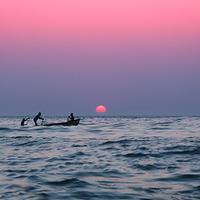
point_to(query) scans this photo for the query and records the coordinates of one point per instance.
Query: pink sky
(99, 26)
(105, 19)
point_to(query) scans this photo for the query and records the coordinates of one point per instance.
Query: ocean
(144, 158)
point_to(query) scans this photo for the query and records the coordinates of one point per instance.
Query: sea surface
(101, 158)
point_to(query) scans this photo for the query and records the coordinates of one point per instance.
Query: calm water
(102, 158)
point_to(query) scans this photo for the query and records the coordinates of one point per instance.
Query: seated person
(71, 117)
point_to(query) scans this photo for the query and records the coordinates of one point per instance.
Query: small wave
(119, 125)
(163, 123)
(108, 173)
(141, 155)
(197, 187)
(94, 130)
(29, 143)
(182, 177)
(160, 128)
(178, 120)
(74, 163)
(135, 155)
(3, 129)
(191, 151)
(15, 171)
(73, 182)
(79, 145)
(149, 167)
(44, 195)
(85, 195)
(186, 177)
(124, 141)
(21, 137)
(113, 173)
(79, 153)
(35, 178)
(142, 148)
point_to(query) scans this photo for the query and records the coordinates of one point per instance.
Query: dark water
(102, 158)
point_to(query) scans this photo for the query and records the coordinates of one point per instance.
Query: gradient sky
(137, 57)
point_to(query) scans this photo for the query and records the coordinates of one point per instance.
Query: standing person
(24, 120)
(38, 116)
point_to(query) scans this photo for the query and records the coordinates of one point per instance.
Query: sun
(101, 109)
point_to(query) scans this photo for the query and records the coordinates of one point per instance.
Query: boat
(68, 123)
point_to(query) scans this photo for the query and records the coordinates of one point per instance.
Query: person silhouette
(38, 116)
(24, 120)
(71, 117)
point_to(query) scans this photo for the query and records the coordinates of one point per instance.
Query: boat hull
(69, 123)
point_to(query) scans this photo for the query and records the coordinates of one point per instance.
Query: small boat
(68, 123)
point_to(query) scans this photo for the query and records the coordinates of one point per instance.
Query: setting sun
(101, 109)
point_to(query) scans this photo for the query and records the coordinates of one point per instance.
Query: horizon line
(106, 116)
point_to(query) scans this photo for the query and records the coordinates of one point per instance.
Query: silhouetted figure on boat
(70, 122)
(38, 116)
(24, 120)
(71, 117)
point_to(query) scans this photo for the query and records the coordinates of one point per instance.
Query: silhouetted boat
(68, 123)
